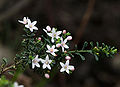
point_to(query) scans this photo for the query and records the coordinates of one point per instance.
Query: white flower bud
(48, 28)
(67, 57)
(39, 38)
(69, 38)
(64, 31)
(47, 76)
(58, 45)
(73, 69)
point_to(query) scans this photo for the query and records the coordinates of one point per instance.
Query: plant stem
(81, 51)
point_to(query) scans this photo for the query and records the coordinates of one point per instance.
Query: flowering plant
(43, 54)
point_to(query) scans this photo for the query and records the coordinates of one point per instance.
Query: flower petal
(62, 64)
(62, 70)
(35, 28)
(48, 46)
(59, 32)
(66, 46)
(71, 67)
(44, 66)
(67, 71)
(37, 64)
(34, 23)
(48, 66)
(67, 63)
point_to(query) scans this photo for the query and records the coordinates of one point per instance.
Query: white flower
(31, 25)
(35, 62)
(54, 34)
(63, 44)
(66, 67)
(51, 50)
(24, 21)
(16, 85)
(46, 62)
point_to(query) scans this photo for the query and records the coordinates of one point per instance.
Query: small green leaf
(96, 57)
(82, 57)
(85, 45)
(11, 73)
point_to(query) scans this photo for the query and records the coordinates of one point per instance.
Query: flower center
(54, 35)
(63, 44)
(35, 61)
(65, 66)
(30, 25)
(47, 62)
(51, 50)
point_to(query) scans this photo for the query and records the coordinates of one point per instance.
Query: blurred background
(87, 20)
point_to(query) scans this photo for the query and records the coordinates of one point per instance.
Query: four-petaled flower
(54, 34)
(66, 67)
(31, 25)
(16, 85)
(46, 62)
(63, 44)
(24, 21)
(35, 62)
(51, 50)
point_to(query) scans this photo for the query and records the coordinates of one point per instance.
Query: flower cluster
(55, 50)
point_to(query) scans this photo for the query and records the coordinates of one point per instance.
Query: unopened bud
(47, 76)
(58, 45)
(68, 58)
(64, 31)
(39, 38)
(48, 28)
(69, 38)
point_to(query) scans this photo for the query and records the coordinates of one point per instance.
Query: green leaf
(96, 57)
(82, 57)
(91, 43)
(85, 45)
(5, 61)
(11, 73)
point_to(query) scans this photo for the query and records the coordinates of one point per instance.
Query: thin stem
(81, 51)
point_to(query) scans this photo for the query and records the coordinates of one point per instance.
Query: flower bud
(65, 51)
(73, 69)
(67, 57)
(69, 38)
(48, 28)
(39, 38)
(58, 45)
(47, 76)
(64, 31)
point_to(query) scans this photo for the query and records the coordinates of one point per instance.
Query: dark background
(87, 20)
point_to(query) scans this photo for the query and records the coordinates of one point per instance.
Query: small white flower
(66, 67)
(51, 50)
(54, 34)
(35, 62)
(46, 63)
(31, 25)
(24, 21)
(16, 85)
(63, 44)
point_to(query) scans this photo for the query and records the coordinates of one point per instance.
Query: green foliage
(5, 83)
